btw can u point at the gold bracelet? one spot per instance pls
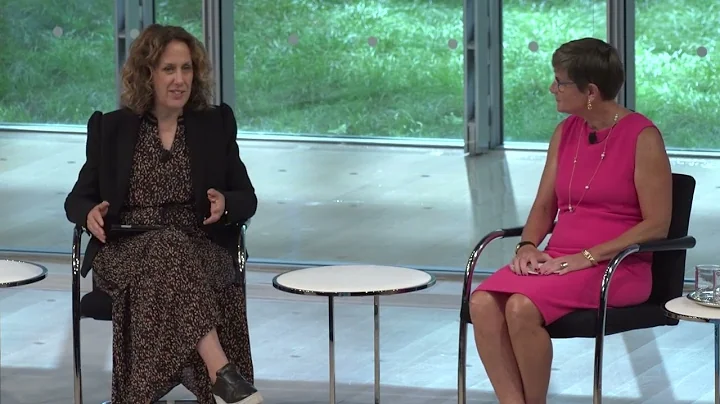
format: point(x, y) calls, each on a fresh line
point(589, 257)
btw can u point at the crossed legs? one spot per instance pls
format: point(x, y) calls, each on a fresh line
point(514, 346)
point(212, 353)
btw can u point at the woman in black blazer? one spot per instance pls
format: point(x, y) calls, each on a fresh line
point(169, 160)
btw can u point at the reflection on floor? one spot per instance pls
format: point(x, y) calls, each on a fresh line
point(289, 335)
point(416, 207)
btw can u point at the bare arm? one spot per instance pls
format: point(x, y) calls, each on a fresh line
point(544, 209)
point(653, 183)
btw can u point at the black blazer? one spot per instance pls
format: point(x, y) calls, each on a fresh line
point(214, 163)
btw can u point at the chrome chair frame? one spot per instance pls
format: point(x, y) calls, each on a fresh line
point(682, 243)
point(77, 312)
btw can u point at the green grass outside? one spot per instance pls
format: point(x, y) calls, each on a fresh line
point(332, 82)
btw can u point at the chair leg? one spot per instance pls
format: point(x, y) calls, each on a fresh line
point(76, 314)
point(597, 374)
point(77, 366)
point(462, 360)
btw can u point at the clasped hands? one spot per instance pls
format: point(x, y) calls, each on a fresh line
point(96, 222)
point(530, 260)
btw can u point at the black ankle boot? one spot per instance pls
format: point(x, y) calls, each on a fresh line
point(231, 388)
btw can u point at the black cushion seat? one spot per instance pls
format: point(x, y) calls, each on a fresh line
point(582, 323)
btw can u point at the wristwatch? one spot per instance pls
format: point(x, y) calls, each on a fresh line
point(523, 243)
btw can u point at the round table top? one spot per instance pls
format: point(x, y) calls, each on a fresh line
point(353, 280)
point(18, 273)
point(682, 308)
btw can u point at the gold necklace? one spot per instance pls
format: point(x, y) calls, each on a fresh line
point(572, 208)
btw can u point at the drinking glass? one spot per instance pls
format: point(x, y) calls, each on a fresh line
point(707, 281)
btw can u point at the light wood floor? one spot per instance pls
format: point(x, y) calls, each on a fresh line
point(289, 337)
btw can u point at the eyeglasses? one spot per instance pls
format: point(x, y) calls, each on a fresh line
point(559, 84)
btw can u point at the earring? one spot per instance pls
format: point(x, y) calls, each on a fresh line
point(589, 107)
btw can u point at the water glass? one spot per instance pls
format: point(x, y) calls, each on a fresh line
point(707, 281)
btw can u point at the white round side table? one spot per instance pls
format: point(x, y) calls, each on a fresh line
point(19, 273)
point(353, 280)
point(682, 308)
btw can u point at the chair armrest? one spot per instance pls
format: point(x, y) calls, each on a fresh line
point(682, 243)
point(242, 248)
point(76, 263)
point(76, 243)
point(517, 231)
point(512, 231)
point(242, 253)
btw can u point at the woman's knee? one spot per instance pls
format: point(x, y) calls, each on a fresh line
point(521, 313)
point(487, 309)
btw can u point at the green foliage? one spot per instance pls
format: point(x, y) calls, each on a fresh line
point(333, 82)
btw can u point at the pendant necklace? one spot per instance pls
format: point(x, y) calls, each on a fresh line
point(571, 207)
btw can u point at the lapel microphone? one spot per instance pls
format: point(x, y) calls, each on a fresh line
point(592, 138)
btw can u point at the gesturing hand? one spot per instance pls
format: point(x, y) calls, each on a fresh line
point(528, 259)
point(95, 221)
point(217, 206)
point(565, 264)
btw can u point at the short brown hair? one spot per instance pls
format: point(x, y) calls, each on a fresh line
point(590, 60)
point(145, 51)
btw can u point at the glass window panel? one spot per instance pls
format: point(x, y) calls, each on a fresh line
point(358, 69)
point(56, 60)
point(532, 30)
point(184, 13)
point(677, 67)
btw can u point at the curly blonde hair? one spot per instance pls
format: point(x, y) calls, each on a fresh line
point(145, 52)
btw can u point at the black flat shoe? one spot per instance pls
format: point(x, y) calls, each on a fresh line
point(231, 388)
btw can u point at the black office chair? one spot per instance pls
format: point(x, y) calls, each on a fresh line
point(98, 306)
point(668, 276)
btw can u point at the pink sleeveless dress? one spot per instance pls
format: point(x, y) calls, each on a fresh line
point(609, 208)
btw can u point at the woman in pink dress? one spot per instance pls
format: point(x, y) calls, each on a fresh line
point(608, 180)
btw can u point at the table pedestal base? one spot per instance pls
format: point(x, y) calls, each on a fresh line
point(717, 363)
point(331, 330)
